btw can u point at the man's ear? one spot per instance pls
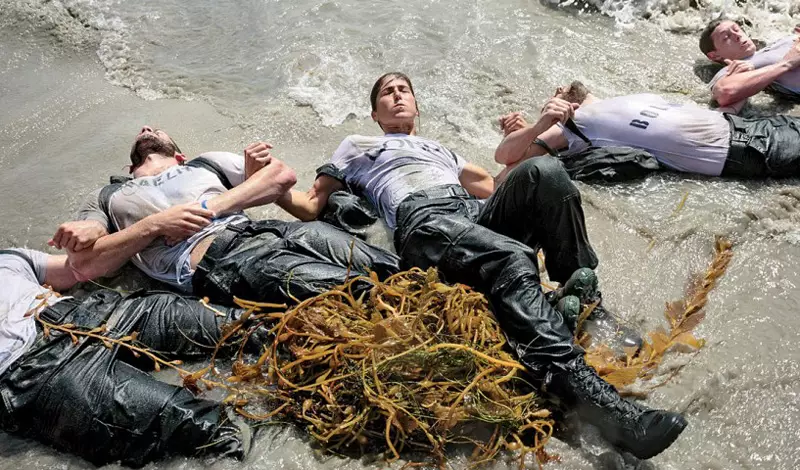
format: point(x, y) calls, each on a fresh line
point(714, 56)
point(374, 116)
point(181, 158)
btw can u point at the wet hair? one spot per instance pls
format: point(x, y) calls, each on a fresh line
point(151, 144)
point(706, 42)
point(376, 88)
point(576, 93)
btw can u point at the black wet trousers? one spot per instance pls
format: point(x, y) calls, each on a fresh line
point(277, 261)
point(763, 147)
point(493, 248)
point(96, 402)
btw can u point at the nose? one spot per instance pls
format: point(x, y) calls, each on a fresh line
point(145, 129)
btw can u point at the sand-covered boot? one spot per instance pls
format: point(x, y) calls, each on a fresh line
point(633, 428)
point(601, 323)
point(570, 308)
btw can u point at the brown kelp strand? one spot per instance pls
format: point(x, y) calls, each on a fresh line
point(682, 317)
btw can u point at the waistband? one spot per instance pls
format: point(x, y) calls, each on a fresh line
point(443, 192)
point(439, 192)
point(216, 250)
point(742, 161)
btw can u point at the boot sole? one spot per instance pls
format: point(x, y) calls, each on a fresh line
point(669, 437)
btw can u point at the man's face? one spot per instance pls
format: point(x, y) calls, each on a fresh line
point(730, 42)
point(396, 104)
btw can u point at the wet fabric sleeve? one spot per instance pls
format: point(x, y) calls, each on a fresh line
point(30, 264)
point(230, 163)
point(343, 157)
point(718, 77)
point(574, 143)
point(461, 162)
point(91, 209)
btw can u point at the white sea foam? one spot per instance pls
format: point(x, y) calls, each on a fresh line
point(330, 87)
point(766, 18)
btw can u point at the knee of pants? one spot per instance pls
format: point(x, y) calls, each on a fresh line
point(548, 175)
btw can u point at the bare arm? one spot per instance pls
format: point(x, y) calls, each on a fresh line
point(308, 205)
point(265, 186)
point(477, 181)
point(740, 86)
point(111, 252)
point(58, 274)
point(737, 86)
point(519, 144)
point(734, 108)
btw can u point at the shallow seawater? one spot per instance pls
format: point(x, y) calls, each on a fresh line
point(79, 77)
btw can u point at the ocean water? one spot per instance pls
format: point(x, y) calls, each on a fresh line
point(79, 77)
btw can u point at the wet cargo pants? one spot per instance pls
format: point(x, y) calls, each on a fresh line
point(493, 248)
point(277, 261)
point(97, 402)
point(763, 147)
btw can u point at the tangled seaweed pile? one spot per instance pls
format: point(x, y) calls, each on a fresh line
point(416, 365)
point(412, 366)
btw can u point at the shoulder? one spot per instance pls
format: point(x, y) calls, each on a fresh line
point(354, 145)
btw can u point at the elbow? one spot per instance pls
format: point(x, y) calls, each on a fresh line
point(725, 95)
point(501, 155)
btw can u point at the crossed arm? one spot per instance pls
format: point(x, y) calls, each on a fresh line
point(743, 81)
point(93, 252)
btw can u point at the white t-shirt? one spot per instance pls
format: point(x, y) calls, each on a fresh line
point(22, 273)
point(682, 137)
point(149, 195)
point(789, 81)
point(391, 167)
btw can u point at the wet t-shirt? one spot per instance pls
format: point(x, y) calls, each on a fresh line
point(149, 195)
point(788, 82)
point(389, 168)
point(22, 273)
point(682, 137)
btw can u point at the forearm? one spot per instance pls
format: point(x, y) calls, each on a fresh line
point(301, 205)
point(740, 86)
point(264, 187)
point(517, 145)
point(111, 252)
point(59, 275)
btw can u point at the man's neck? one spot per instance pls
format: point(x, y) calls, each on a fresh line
point(153, 165)
point(401, 129)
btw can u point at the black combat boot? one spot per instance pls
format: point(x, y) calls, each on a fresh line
point(630, 427)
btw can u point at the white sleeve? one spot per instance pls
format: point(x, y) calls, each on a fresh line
point(91, 210)
point(723, 71)
point(230, 163)
point(345, 154)
point(574, 143)
point(461, 162)
point(30, 264)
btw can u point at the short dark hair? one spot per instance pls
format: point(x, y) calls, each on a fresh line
point(706, 42)
point(373, 95)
